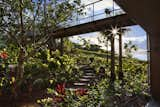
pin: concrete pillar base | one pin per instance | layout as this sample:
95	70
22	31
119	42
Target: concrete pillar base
152	103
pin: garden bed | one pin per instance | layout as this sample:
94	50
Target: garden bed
23	98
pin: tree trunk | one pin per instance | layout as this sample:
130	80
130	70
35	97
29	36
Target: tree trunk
21	52
52	45
112	60
120	74
21	64
61	47
107	51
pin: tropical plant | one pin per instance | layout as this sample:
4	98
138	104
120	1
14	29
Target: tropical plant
30	23
105	38
129	48
85	43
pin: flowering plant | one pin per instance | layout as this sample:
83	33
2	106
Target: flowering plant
60	88
46	102
81	92
3	56
3	60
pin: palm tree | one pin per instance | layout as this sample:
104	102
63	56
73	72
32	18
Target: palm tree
107	50
105	38
113	76
121	32
106	34
129	48
109	35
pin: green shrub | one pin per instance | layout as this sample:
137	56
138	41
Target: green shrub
39	84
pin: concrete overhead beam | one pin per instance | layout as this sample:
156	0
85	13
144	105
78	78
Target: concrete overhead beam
120	20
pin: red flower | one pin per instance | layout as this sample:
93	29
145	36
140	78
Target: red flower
60	88
4	55
81	91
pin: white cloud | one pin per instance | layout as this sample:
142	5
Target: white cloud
92	37
140	51
74	39
141	54
134	38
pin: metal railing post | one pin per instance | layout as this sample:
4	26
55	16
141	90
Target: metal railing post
113	8
77	17
93	13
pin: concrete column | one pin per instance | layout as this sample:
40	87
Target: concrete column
155	65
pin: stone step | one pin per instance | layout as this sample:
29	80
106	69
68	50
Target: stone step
84	79
88	77
89	74
71	89
74	89
86	68
89	71
80	83
77	86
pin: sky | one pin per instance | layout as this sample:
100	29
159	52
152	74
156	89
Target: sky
136	34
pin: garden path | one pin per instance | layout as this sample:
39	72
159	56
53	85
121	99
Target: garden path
86	80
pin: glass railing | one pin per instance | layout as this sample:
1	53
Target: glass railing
91	12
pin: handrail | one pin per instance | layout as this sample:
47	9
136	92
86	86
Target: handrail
90	4
70	23
100	14
91	16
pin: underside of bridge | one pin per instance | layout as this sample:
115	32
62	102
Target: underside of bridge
120	20
146	13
